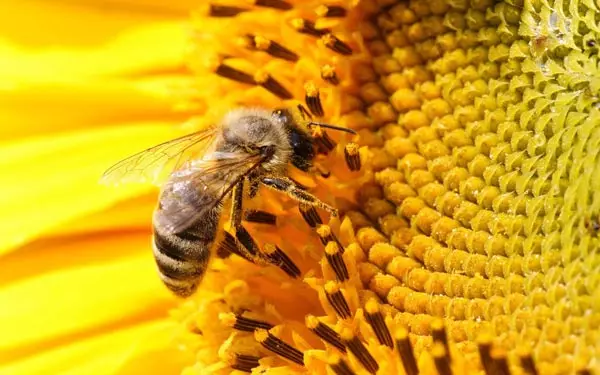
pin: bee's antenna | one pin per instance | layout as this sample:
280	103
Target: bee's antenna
333	127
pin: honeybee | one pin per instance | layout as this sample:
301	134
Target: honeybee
250	146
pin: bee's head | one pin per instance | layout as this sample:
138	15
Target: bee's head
300	141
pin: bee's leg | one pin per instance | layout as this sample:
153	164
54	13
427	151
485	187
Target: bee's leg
245	243
254	185
287	186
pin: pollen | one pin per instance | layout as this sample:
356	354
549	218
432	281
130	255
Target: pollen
467	238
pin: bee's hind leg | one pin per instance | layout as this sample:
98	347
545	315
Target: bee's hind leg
288	187
245	243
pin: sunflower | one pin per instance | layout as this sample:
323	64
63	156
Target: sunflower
468	234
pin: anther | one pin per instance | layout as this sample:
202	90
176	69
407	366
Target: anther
278	346
260	217
333	254
439	334
323	142
243	324
441	359
247	241
330	11
274	87
243	362
328	74
407	356
352	157
227	246
485	348
279	258
228	72
526	361
307	27
340	367
224	11
377	322
337	300
336	45
271	47
326	235
325	332
500	362
276	4
313	99
359	350
310	215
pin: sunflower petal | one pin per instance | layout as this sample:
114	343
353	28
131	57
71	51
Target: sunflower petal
78	303
109	353
67	105
68	168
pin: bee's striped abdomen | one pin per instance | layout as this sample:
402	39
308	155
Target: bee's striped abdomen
182	258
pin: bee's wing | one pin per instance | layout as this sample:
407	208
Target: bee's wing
154	164
190	194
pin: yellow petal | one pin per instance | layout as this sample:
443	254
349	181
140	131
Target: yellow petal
142	349
130	215
48	181
62	253
78	43
69	105
68	305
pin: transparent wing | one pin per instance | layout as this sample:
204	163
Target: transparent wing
155	164
190	194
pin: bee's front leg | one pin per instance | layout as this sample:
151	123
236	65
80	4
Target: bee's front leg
288	187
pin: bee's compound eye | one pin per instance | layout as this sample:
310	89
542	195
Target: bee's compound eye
282	115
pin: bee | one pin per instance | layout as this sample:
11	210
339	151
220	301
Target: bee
250	147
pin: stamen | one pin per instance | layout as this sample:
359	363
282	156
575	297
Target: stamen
274	87
584	371
278	346
337	300
227	246
359	350
244	362
310	215
406	352
500	363
307	27
304	112
260	217
340	367
333	43
276	4
313	99
243	324
228	72
352	157
440	358
324	143
526	361
439	334
326	235
272	48
281	260
485	348
330	11
224	10
247	241
328	74
333	254
377	322
325	332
